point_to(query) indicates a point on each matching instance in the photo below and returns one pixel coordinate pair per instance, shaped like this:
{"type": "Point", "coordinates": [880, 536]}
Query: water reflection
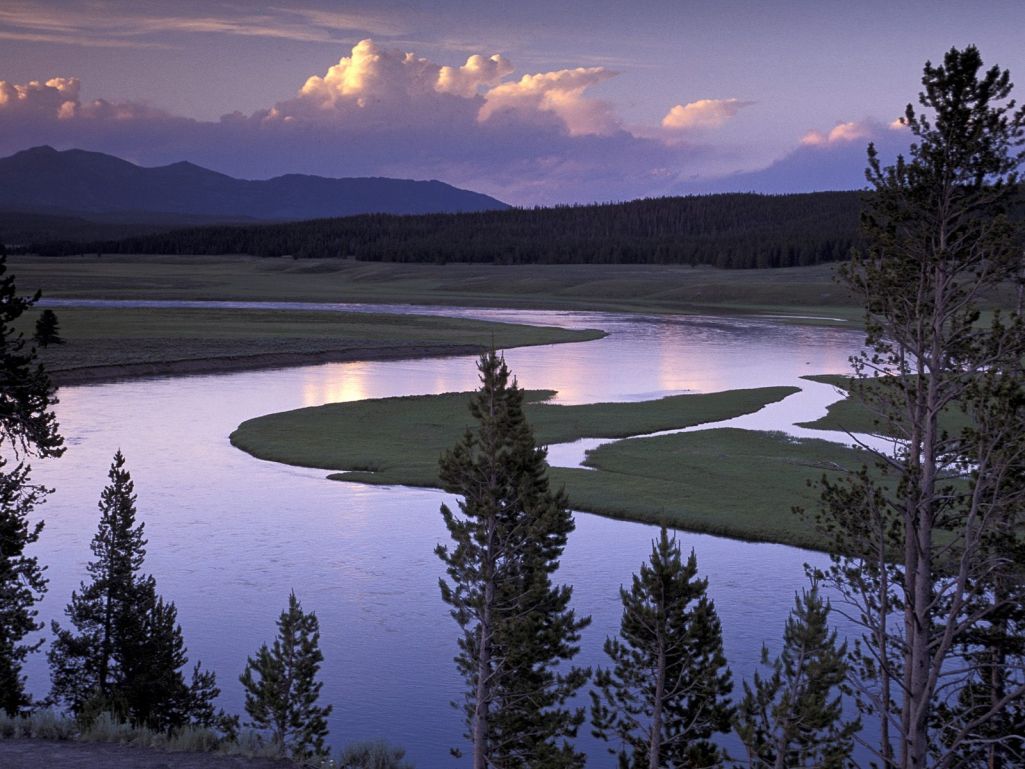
{"type": "Point", "coordinates": [229, 535]}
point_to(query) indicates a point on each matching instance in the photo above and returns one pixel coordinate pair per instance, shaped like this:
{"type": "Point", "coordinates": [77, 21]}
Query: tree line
{"type": "Point", "coordinates": [727, 231]}
{"type": "Point", "coordinates": [927, 552]}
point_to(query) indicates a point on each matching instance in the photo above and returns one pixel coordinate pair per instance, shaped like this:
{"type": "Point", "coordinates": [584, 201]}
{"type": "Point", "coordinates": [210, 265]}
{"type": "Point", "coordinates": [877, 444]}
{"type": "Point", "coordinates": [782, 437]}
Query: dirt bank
{"type": "Point", "coordinates": [219, 365]}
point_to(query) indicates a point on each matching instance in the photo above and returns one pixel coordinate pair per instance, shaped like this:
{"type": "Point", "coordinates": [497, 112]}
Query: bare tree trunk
{"type": "Point", "coordinates": [883, 645]}
{"type": "Point", "coordinates": [483, 693]}
{"type": "Point", "coordinates": [655, 744]}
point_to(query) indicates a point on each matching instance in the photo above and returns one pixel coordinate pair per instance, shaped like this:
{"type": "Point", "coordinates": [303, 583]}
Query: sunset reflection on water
{"type": "Point", "coordinates": [230, 535]}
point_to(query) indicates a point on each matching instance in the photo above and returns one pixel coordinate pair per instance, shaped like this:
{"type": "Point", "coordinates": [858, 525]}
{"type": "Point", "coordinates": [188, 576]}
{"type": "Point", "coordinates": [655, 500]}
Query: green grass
{"type": "Point", "coordinates": [399, 440]}
{"type": "Point", "coordinates": [645, 288]}
{"type": "Point", "coordinates": [730, 482]}
{"type": "Point", "coordinates": [852, 415]}
{"type": "Point", "coordinates": [129, 336]}
{"type": "Point", "coordinates": [724, 481]}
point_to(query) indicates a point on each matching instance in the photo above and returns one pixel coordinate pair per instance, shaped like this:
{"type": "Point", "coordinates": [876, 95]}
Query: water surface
{"type": "Point", "coordinates": [230, 535]}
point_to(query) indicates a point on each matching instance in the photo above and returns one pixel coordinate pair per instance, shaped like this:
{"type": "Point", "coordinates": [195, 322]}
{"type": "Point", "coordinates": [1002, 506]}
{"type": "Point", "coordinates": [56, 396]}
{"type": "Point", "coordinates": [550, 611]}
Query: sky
{"type": "Point", "coordinates": [536, 103]}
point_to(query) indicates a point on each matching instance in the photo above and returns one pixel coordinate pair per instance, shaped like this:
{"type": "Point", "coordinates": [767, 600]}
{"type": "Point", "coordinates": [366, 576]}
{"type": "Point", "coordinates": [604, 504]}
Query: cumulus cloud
{"type": "Point", "coordinates": [375, 85]}
{"type": "Point", "coordinates": [840, 133]}
{"type": "Point", "coordinates": [49, 98]}
{"type": "Point", "coordinates": [702, 114]}
{"type": "Point", "coordinates": [370, 74]}
{"type": "Point", "coordinates": [561, 94]}
{"type": "Point", "coordinates": [381, 111]}
{"type": "Point", "coordinates": [58, 98]}
{"type": "Point", "coordinates": [467, 80]}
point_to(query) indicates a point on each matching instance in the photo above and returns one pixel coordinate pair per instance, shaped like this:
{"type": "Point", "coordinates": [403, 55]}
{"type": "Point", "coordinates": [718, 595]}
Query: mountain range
{"type": "Point", "coordinates": [74, 188]}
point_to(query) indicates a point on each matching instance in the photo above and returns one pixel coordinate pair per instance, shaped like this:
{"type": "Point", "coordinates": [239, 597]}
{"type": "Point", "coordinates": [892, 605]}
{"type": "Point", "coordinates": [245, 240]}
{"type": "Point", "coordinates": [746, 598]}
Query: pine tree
{"type": "Point", "coordinates": [667, 693]}
{"type": "Point", "coordinates": [22, 584]}
{"type": "Point", "coordinates": [128, 654]}
{"type": "Point", "coordinates": [517, 627]}
{"type": "Point", "coordinates": [27, 428]}
{"type": "Point", "coordinates": [927, 555]}
{"type": "Point", "coordinates": [27, 396]}
{"type": "Point", "coordinates": [281, 686]}
{"type": "Point", "coordinates": [47, 329]}
{"type": "Point", "coordinates": [793, 718]}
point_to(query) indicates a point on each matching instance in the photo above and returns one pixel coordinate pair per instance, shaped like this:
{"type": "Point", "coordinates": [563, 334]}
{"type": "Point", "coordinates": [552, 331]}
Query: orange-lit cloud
{"type": "Point", "coordinates": [840, 133]}
{"type": "Point", "coordinates": [542, 137]}
{"type": "Point", "coordinates": [370, 75]}
{"type": "Point", "coordinates": [39, 97]}
{"type": "Point", "coordinates": [384, 81]}
{"type": "Point", "coordinates": [702, 114]}
{"type": "Point", "coordinates": [477, 72]}
{"type": "Point", "coordinates": [561, 94]}
{"type": "Point", "coordinates": [58, 98]}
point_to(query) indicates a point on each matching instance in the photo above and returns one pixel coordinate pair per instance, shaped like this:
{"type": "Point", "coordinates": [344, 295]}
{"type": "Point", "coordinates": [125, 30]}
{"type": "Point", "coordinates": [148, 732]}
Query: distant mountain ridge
{"type": "Point", "coordinates": [74, 182]}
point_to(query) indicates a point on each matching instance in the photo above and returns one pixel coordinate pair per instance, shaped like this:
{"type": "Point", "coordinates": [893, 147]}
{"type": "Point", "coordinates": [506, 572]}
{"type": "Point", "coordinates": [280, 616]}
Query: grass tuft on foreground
{"type": "Point", "coordinates": [729, 482]}
{"type": "Point", "coordinates": [254, 748]}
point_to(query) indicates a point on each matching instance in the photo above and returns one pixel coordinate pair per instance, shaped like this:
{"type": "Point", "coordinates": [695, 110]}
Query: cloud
{"type": "Point", "coordinates": [840, 133]}
{"type": "Point", "coordinates": [57, 97]}
{"type": "Point", "coordinates": [702, 114]}
{"type": "Point", "coordinates": [380, 86]}
{"type": "Point", "coordinates": [823, 160]}
{"type": "Point", "coordinates": [370, 74]}
{"type": "Point", "coordinates": [560, 94]}
{"type": "Point", "coordinates": [466, 80]}
{"type": "Point", "coordinates": [381, 111]}
{"type": "Point", "coordinates": [130, 23]}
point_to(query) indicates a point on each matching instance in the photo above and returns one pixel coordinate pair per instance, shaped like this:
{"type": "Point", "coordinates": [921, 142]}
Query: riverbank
{"type": "Point", "coordinates": [107, 344]}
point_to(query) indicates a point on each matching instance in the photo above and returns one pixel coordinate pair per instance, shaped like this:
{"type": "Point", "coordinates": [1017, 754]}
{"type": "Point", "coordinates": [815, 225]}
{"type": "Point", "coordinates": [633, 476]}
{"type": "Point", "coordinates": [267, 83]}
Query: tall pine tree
{"type": "Point", "coordinates": [518, 630]}
{"type": "Point", "coordinates": [929, 540]}
{"type": "Point", "coordinates": [28, 427]}
{"type": "Point", "coordinates": [793, 719]}
{"type": "Point", "coordinates": [128, 654]}
{"type": "Point", "coordinates": [667, 693]}
{"type": "Point", "coordinates": [282, 687]}
{"type": "Point", "coordinates": [21, 584]}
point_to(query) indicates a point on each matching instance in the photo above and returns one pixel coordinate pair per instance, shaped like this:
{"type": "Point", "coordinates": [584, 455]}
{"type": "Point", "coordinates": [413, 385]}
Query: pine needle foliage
{"type": "Point", "coordinates": [518, 632]}
{"type": "Point", "coordinates": [127, 655]}
{"type": "Point", "coordinates": [282, 689]}
{"type": "Point", "coordinates": [22, 584]}
{"type": "Point", "coordinates": [667, 693]}
{"type": "Point", "coordinates": [793, 718]}
{"type": "Point", "coordinates": [28, 427]}
{"type": "Point", "coordinates": [931, 569]}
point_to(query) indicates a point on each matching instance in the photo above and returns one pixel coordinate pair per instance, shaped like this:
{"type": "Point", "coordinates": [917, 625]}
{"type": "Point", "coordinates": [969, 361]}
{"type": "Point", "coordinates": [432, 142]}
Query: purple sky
{"type": "Point", "coordinates": [533, 102]}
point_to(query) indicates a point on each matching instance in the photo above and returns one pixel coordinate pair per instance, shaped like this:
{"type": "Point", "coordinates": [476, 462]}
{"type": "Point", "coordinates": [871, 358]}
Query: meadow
{"type": "Point", "coordinates": [737, 483]}
{"type": "Point", "coordinates": [794, 291]}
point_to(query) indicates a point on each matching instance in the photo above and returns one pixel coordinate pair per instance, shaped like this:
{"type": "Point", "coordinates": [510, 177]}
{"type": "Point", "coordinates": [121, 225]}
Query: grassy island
{"type": "Point", "coordinates": [736, 483]}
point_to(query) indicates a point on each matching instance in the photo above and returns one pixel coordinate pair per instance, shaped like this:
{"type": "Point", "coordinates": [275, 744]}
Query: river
{"type": "Point", "coordinates": [230, 535]}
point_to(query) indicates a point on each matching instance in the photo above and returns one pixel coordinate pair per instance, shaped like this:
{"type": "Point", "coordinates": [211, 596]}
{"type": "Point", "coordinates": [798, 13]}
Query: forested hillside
{"type": "Point", "coordinates": [730, 231]}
